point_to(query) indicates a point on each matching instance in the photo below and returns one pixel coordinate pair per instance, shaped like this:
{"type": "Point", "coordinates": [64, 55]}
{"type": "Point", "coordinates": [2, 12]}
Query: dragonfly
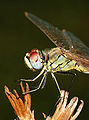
{"type": "Point", "coordinates": [70, 53]}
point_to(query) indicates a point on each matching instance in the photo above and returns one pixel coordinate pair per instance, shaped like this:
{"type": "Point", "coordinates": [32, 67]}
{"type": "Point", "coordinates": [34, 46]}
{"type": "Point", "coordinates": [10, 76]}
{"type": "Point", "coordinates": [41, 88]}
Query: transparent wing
{"type": "Point", "coordinates": [71, 45]}
{"type": "Point", "coordinates": [54, 34]}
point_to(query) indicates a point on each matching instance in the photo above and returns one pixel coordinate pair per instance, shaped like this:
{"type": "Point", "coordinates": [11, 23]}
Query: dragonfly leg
{"type": "Point", "coordinates": [44, 81]}
{"type": "Point", "coordinates": [42, 71]}
{"type": "Point", "coordinates": [56, 83]}
{"type": "Point", "coordinates": [43, 84]}
{"type": "Point", "coordinates": [73, 79]}
{"type": "Point", "coordinates": [39, 86]}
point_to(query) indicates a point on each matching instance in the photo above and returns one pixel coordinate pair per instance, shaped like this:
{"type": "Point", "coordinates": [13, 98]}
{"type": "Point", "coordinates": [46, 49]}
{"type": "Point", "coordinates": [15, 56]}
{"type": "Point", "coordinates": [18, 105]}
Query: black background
{"type": "Point", "coordinates": [18, 36]}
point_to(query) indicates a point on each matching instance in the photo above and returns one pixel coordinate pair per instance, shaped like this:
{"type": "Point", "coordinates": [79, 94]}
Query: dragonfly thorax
{"type": "Point", "coordinates": [55, 60]}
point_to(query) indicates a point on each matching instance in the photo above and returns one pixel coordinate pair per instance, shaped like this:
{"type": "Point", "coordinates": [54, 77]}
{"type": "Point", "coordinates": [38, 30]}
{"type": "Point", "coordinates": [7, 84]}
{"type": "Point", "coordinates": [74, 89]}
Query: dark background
{"type": "Point", "coordinates": [18, 36]}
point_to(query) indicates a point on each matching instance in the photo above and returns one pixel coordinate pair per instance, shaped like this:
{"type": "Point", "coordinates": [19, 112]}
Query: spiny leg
{"type": "Point", "coordinates": [39, 86]}
{"type": "Point", "coordinates": [56, 83]}
{"type": "Point", "coordinates": [42, 71]}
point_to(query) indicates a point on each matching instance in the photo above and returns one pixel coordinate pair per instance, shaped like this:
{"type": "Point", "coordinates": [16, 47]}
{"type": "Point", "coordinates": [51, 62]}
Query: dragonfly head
{"type": "Point", "coordinates": [33, 59]}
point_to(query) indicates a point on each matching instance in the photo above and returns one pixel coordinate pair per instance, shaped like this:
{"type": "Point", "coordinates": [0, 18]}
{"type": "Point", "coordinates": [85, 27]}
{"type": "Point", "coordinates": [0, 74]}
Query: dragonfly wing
{"type": "Point", "coordinates": [78, 46]}
{"type": "Point", "coordinates": [53, 33]}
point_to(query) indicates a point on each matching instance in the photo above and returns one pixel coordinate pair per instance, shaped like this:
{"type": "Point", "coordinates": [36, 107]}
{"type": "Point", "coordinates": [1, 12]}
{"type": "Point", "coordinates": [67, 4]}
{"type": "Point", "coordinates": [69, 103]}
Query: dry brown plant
{"type": "Point", "coordinates": [63, 111]}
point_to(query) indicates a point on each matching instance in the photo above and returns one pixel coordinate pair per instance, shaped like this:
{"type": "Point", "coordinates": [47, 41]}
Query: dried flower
{"type": "Point", "coordinates": [22, 110]}
{"type": "Point", "coordinates": [63, 111]}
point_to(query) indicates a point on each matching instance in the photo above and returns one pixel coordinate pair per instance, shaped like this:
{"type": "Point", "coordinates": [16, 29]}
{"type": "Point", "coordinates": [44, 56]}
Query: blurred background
{"type": "Point", "coordinates": [18, 36]}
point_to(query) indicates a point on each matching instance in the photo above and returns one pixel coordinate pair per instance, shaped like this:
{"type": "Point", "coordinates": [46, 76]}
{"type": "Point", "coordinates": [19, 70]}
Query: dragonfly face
{"type": "Point", "coordinates": [70, 53]}
{"type": "Point", "coordinates": [33, 59]}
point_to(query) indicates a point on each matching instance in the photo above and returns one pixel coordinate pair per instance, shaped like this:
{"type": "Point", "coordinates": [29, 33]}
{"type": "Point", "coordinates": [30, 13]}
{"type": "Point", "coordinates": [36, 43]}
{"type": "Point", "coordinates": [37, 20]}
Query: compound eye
{"type": "Point", "coordinates": [35, 60]}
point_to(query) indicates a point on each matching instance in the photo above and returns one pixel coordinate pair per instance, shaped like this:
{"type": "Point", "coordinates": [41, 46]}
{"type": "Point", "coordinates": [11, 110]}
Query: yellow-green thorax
{"type": "Point", "coordinates": [55, 61]}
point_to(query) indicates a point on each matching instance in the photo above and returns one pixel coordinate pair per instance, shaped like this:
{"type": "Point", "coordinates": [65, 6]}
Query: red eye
{"type": "Point", "coordinates": [34, 56]}
{"type": "Point", "coordinates": [33, 59]}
